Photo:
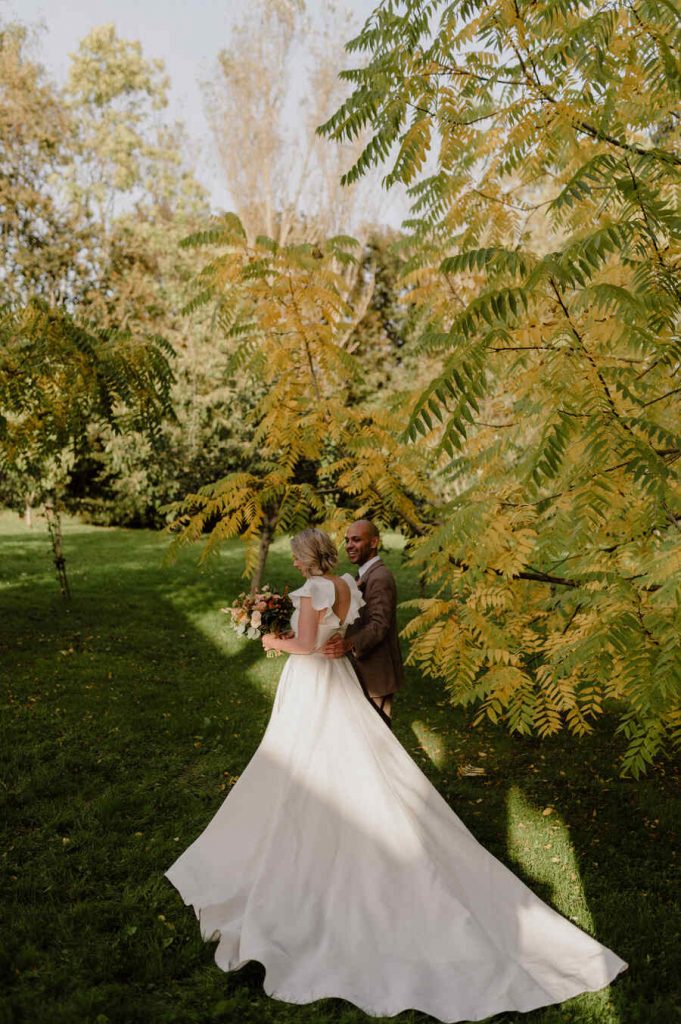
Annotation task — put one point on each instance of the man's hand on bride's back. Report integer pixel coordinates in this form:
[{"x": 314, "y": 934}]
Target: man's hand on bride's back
[{"x": 336, "y": 647}]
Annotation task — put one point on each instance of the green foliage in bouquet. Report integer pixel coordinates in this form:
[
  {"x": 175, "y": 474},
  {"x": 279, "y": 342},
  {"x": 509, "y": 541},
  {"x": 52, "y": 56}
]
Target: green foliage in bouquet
[{"x": 260, "y": 613}]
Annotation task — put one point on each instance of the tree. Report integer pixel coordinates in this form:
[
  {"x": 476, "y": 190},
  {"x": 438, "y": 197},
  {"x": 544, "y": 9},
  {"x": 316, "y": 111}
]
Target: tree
[
  {"x": 96, "y": 197},
  {"x": 554, "y": 413},
  {"x": 386, "y": 328},
  {"x": 47, "y": 246},
  {"x": 283, "y": 179},
  {"x": 135, "y": 173},
  {"x": 114, "y": 91},
  {"x": 56, "y": 377},
  {"x": 270, "y": 66},
  {"x": 270, "y": 88},
  {"x": 316, "y": 457},
  {"x": 93, "y": 190}
]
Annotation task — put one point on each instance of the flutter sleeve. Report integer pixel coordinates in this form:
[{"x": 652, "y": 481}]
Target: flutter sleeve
[
  {"x": 320, "y": 590},
  {"x": 357, "y": 602},
  {"x": 381, "y": 599}
]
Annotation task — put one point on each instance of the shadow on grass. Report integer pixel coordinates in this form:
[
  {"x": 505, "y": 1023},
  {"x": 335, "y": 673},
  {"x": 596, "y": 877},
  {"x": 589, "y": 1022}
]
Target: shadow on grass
[
  {"x": 123, "y": 728},
  {"x": 600, "y": 849},
  {"x": 129, "y": 713}
]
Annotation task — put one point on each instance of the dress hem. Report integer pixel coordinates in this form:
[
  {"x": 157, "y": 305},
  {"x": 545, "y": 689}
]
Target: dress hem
[
  {"x": 502, "y": 1007},
  {"x": 298, "y": 999}
]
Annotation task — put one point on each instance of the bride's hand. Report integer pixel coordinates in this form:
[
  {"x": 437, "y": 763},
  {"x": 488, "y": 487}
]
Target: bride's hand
[{"x": 270, "y": 642}]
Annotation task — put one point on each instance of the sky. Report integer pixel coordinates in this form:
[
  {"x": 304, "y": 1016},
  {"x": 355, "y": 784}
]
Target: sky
[{"x": 185, "y": 34}]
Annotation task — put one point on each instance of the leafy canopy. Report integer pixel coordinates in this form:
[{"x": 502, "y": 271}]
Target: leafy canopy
[
  {"x": 57, "y": 376},
  {"x": 315, "y": 455},
  {"x": 539, "y": 141},
  {"x": 95, "y": 194}
]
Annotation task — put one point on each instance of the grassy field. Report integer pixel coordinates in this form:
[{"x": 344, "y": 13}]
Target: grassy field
[{"x": 128, "y": 713}]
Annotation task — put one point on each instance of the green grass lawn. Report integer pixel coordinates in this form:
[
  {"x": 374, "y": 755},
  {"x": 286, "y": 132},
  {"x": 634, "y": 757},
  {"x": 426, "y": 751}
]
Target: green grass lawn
[{"x": 129, "y": 712}]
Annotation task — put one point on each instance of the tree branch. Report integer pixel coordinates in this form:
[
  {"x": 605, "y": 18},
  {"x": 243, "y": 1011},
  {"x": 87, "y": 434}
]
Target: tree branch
[
  {"x": 595, "y": 133},
  {"x": 660, "y": 397}
]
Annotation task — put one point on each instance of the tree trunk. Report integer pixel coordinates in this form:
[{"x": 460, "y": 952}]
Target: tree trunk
[
  {"x": 28, "y": 514},
  {"x": 53, "y": 517},
  {"x": 266, "y": 538}
]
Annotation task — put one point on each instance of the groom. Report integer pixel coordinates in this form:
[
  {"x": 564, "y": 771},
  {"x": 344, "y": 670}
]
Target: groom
[{"x": 371, "y": 641}]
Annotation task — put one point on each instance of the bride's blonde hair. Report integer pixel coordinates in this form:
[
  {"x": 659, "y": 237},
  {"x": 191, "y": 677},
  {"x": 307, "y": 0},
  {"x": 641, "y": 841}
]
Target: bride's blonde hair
[{"x": 315, "y": 551}]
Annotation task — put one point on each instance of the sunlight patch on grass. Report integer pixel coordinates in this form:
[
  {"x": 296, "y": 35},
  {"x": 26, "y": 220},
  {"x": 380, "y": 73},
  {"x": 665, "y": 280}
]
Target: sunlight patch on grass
[
  {"x": 129, "y": 712},
  {"x": 431, "y": 744},
  {"x": 539, "y": 840},
  {"x": 243, "y": 658},
  {"x": 264, "y": 675}
]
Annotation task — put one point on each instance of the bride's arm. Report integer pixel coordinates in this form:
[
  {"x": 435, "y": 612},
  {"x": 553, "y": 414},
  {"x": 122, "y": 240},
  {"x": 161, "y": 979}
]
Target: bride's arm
[{"x": 304, "y": 643}]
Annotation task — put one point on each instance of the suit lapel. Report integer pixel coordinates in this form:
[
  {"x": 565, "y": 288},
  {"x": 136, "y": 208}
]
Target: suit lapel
[{"x": 363, "y": 579}]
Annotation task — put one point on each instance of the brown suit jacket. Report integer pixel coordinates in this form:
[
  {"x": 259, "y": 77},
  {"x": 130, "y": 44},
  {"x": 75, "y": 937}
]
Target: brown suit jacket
[{"x": 377, "y": 659}]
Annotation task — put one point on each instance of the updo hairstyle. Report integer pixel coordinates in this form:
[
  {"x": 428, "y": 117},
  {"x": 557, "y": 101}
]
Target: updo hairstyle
[{"x": 315, "y": 551}]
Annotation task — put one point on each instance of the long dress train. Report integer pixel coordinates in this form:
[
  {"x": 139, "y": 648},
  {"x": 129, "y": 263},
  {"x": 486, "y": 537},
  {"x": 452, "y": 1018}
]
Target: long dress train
[{"x": 336, "y": 864}]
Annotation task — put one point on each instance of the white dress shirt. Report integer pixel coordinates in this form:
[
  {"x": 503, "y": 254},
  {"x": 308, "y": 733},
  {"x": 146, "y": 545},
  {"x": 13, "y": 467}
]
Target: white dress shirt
[{"x": 367, "y": 565}]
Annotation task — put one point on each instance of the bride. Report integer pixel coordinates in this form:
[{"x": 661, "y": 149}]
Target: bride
[{"x": 336, "y": 864}]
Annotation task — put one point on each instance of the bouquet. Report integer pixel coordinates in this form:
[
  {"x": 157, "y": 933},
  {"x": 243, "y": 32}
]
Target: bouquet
[{"x": 254, "y": 615}]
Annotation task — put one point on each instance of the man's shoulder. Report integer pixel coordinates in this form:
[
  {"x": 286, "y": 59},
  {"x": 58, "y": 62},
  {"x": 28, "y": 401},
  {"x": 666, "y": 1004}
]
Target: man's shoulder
[{"x": 379, "y": 573}]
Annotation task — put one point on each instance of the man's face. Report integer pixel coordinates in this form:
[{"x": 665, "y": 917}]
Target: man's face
[{"x": 360, "y": 544}]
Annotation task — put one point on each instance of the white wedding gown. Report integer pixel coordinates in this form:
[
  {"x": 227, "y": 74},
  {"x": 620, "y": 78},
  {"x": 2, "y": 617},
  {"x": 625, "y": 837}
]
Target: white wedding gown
[{"x": 336, "y": 864}]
